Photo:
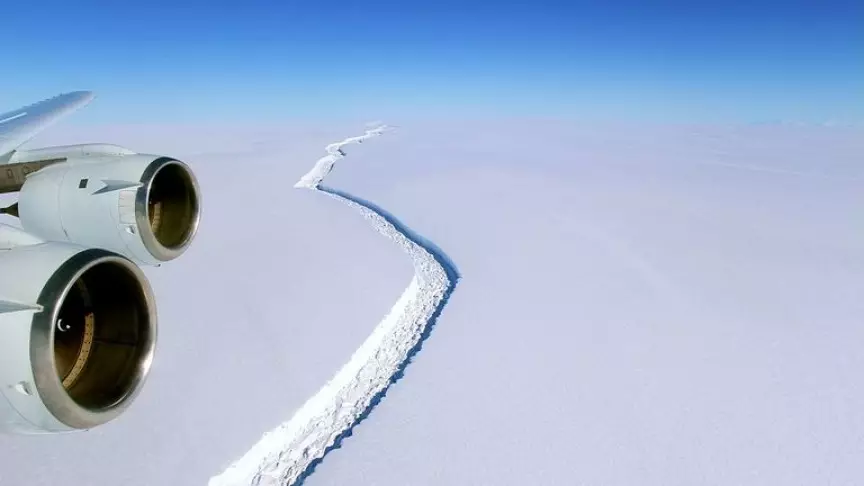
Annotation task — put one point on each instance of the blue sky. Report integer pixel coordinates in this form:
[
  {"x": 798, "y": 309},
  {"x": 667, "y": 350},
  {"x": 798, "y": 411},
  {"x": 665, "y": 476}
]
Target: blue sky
[{"x": 755, "y": 61}]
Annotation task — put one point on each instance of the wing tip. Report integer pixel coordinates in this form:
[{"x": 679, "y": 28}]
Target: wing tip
[{"x": 80, "y": 96}]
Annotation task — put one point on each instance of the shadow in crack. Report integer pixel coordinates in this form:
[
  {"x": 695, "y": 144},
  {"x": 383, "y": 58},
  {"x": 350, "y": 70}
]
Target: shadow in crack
[
  {"x": 433, "y": 249},
  {"x": 453, "y": 276}
]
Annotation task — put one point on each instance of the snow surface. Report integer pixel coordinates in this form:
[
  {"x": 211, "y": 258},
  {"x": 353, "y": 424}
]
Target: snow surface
[
  {"x": 652, "y": 305},
  {"x": 634, "y": 310},
  {"x": 291, "y": 451}
]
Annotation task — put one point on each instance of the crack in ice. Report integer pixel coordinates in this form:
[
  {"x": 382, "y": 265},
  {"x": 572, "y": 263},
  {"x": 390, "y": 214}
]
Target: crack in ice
[{"x": 288, "y": 454}]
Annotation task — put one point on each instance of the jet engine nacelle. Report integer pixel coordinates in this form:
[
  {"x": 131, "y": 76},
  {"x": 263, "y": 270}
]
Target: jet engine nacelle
[
  {"x": 77, "y": 337},
  {"x": 145, "y": 207}
]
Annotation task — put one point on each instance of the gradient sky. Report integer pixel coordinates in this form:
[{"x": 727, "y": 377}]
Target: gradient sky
[{"x": 754, "y": 61}]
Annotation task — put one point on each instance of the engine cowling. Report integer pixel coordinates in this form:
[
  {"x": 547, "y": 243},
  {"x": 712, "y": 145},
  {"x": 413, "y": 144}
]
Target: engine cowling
[
  {"x": 145, "y": 207},
  {"x": 81, "y": 354}
]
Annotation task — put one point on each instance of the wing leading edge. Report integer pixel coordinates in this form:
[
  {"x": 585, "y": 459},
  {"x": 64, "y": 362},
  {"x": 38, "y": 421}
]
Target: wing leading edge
[{"x": 19, "y": 126}]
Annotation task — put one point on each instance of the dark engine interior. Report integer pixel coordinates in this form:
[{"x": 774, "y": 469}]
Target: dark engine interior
[
  {"x": 101, "y": 336},
  {"x": 172, "y": 206}
]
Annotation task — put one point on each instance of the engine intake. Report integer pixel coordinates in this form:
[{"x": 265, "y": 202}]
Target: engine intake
[
  {"x": 167, "y": 209},
  {"x": 88, "y": 352},
  {"x": 92, "y": 346}
]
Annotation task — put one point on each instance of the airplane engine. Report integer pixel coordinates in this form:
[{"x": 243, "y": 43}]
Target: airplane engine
[
  {"x": 145, "y": 207},
  {"x": 77, "y": 337}
]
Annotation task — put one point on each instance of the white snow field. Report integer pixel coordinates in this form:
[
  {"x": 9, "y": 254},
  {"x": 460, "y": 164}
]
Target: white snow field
[{"x": 652, "y": 305}]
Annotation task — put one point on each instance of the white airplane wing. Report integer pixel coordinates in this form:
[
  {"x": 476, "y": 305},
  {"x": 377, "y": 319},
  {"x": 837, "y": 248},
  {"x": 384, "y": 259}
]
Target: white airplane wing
[{"x": 19, "y": 126}]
